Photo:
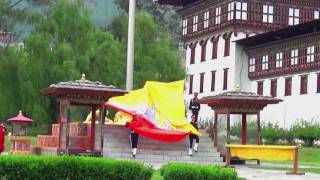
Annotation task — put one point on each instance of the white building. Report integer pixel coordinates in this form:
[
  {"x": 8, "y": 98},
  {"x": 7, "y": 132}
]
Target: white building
[{"x": 216, "y": 61}]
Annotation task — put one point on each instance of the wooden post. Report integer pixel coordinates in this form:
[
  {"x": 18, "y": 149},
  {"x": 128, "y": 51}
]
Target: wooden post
[
  {"x": 104, "y": 114},
  {"x": 244, "y": 129},
  {"x": 67, "y": 130},
  {"x": 228, "y": 157},
  {"x": 295, "y": 161},
  {"x": 258, "y": 133},
  {"x": 228, "y": 128},
  {"x": 93, "y": 126},
  {"x": 215, "y": 129},
  {"x": 258, "y": 129}
]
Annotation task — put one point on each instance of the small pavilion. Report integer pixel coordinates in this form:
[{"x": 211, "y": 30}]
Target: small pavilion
[
  {"x": 241, "y": 103},
  {"x": 81, "y": 93}
]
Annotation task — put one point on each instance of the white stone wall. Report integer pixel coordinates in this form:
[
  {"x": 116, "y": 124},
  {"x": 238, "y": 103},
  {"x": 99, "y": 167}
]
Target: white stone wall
[
  {"x": 293, "y": 107},
  {"x": 287, "y": 112},
  {"x": 217, "y": 65}
]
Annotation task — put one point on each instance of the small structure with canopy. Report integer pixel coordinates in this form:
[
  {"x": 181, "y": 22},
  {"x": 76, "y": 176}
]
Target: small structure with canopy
[
  {"x": 241, "y": 103},
  {"x": 20, "y": 142},
  {"x": 81, "y": 93}
]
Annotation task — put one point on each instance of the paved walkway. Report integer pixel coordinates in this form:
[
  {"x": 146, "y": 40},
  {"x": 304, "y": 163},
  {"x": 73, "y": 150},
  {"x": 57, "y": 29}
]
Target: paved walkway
[{"x": 261, "y": 174}]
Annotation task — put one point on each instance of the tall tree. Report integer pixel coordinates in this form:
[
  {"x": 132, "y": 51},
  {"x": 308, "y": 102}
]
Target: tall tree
[
  {"x": 165, "y": 15},
  {"x": 156, "y": 56},
  {"x": 14, "y": 11}
]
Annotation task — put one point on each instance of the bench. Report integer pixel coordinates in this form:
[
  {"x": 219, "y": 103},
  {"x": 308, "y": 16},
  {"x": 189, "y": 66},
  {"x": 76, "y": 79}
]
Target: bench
[{"x": 264, "y": 152}]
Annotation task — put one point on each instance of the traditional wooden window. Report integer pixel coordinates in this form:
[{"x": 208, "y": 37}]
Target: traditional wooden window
[
  {"x": 304, "y": 84},
  {"x": 294, "y": 57},
  {"x": 318, "y": 83},
  {"x": 252, "y": 64},
  {"x": 214, "y": 49},
  {"x": 195, "y": 24},
  {"x": 213, "y": 80},
  {"x": 184, "y": 26},
  {"x": 260, "y": 88},
  {"x": 265, "y": 62},
  {"x": 279, "y": 59},
  {"x": 231, "y": 11},
  {"x": 225, "y": 79},
  {"x": 288, "y": 86},
  {"x": 241, "y": 10},
  {"x": 218, "y": 15},
  {"x": 310, "y": 54},
  {"x": 316, "y": 14},
  {"x": 273, "y": 87},
  {"x": 227, "y": 46},
  {"x": 201, "y": 82},
  {"x": 267, "y": 14},
  {"x": 294, "y": 16},
  {"x": 192, "y": 56},
  {"x": 203, "y": 51},
  {"x": 190, "y": 84},
  {"x": 206, "y": 20}
]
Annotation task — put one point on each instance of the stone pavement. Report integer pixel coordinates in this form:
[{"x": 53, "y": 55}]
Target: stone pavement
[{"x": 261, "y": 174}]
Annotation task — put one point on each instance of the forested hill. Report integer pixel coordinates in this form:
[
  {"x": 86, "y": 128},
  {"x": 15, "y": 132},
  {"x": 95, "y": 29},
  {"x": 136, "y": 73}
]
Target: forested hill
[{"x": 103, "y": 11}]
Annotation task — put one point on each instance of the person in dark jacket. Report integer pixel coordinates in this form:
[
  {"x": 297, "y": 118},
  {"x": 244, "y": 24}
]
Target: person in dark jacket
[
  {"x": 194, "y": 105},
  {"x": 193, "y": 136}
]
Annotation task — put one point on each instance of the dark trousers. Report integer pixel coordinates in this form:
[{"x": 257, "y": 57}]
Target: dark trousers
[
  {"x": 191, "y": 137},
  {"x": 195, "y": 114},
  {"x": 134, "y": 139}
]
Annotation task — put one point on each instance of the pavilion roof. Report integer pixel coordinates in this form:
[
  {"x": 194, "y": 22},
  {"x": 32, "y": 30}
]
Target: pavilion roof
[
  {"x": 175, "y": 2},
  {"x": 82, "y": 87},
  {"x": 20, "y": 118},
  {"x": 238, "y": 97}
]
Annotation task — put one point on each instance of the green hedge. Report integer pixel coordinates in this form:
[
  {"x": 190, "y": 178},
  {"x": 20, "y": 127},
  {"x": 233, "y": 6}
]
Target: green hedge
[
  {"x": 68, "y": 167},
  {"x": 174, "y": 171}
]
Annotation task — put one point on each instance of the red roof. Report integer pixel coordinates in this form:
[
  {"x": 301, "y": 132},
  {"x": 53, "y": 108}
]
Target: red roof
[
  {"x": 20, "y": 118},
  {"x": 175, "y": 2}
]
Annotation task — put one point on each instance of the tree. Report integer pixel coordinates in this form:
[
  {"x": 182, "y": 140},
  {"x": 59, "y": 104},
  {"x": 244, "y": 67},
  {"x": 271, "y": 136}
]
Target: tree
[
  {"x": 165, "y": 15},
  {"x": 14, "y": 11},
  {"x": 156, "y": 56}
]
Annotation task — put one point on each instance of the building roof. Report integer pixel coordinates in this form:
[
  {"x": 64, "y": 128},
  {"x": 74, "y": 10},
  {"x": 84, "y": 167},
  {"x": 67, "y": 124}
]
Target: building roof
[
  {"x": 20, "y": 118},
  {"x": 176, "y": 2},
  {"x": 238, "y": 102},
  {"x": 82, "y": 88},
  {"x": 289, "y": 32}
]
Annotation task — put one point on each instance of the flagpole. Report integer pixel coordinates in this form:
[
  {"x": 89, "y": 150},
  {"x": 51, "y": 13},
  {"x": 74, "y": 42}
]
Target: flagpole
[{"x": 130, "y": 49}]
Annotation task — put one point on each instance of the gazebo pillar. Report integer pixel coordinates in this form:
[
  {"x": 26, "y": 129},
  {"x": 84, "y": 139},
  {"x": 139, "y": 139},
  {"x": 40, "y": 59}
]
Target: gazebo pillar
[
  {"x": 258, "y": 133},
  {"x": 244, "y": 129},
  {"x": 258, "y": 129},
  {"x": 228, "y": 128},
  {"x": 215, "y": 129},
  {"x": 93, "y": 126}
]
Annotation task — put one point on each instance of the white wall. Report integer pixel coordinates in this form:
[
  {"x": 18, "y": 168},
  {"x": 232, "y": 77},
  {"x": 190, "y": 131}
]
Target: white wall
[
  {"x": 293, "y": 107},
  {"x": 214, "y": 65}
]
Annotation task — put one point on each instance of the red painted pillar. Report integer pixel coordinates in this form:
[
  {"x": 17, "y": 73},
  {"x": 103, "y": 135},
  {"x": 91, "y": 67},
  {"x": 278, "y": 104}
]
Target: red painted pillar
[
  {"x": 93, "y": 126},
  {"x": 215, "y": 129},
  {"x": 244, "y": 129}
]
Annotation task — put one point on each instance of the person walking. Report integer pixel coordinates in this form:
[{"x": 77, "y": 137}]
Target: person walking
[
  {"x": 194, "y": 106},
  {"x": 193, "y": 136}
]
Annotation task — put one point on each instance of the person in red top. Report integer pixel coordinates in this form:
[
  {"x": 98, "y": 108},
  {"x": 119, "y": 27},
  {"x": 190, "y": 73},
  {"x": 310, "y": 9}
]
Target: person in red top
[{"x": 2, "y": 135}]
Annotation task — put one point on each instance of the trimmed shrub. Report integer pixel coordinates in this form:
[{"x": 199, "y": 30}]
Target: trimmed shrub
[
  {"x": 70, "y": 167},
  {"x": 174, "y": 171},
  {"x": 308, "y": 131},
  {"x": 272, "y": 133}
]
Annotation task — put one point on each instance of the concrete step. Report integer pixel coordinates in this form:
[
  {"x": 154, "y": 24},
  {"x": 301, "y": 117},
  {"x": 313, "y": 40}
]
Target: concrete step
[{"x": 117, "y": 145}]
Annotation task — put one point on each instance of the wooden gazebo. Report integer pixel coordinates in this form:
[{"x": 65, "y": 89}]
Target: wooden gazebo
[
  {"x": 81, "y": 93},
  {"x": 238, "y": 102}
]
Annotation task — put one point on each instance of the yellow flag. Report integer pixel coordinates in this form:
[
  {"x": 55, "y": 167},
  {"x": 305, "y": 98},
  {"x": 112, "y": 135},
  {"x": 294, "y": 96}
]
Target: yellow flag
[{"x": 161, "y": 103}]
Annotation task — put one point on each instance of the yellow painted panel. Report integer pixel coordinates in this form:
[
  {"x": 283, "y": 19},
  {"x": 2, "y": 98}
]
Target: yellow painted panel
[{"x": 261, "y": 152}]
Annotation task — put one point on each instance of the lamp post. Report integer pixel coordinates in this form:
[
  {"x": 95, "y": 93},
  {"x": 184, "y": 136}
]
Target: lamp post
[{"x": 130, "y": 50}]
